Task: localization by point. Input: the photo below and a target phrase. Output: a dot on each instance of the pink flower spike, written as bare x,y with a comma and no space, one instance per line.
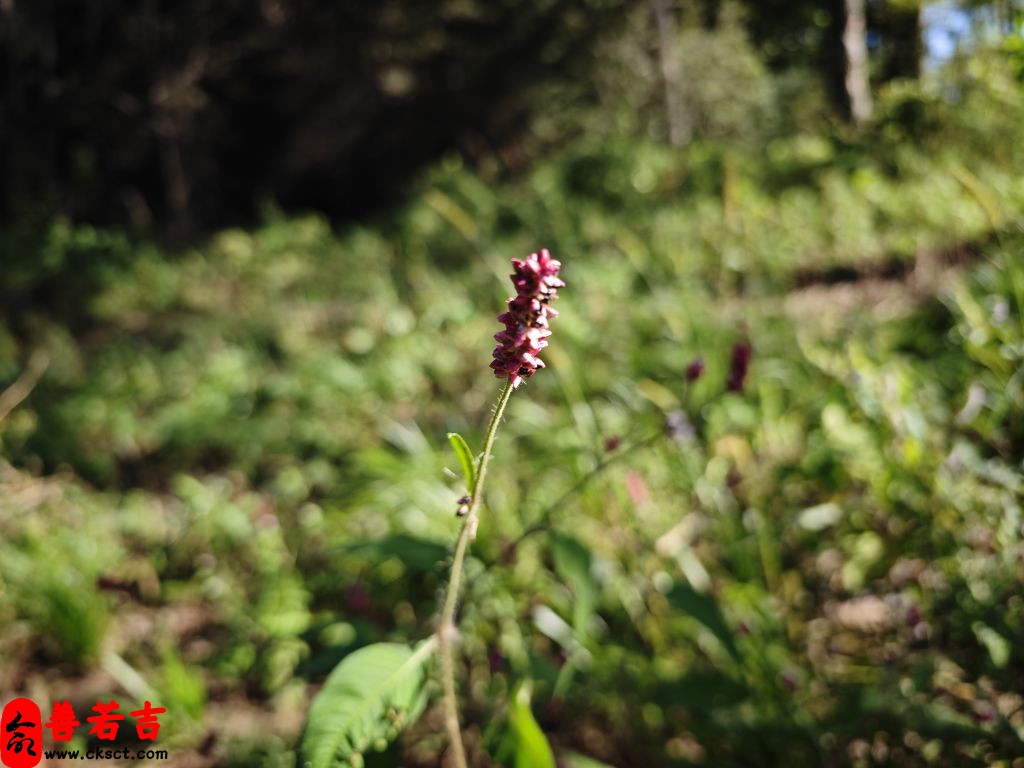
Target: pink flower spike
536,283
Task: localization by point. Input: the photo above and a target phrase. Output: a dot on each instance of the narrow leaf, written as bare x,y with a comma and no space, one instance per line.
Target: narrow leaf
465,458
366,701
530,744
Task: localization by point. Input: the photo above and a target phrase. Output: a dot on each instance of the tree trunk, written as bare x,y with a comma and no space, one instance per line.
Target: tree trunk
855,47
668,61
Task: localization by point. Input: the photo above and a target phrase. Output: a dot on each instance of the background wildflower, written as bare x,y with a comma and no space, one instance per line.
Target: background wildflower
739,364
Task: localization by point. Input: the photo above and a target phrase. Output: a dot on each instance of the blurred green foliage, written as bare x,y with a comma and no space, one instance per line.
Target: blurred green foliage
230,475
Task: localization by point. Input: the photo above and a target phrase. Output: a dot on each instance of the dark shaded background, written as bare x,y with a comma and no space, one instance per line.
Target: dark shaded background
180,117
189,115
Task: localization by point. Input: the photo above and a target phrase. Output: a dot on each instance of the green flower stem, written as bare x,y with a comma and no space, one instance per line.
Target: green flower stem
446,627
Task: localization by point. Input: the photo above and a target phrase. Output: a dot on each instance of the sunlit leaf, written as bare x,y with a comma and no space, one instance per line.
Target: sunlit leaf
997,646
465,458
820,517
365,702
529,743
554,626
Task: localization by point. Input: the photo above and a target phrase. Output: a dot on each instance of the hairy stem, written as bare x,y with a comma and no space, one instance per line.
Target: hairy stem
446,627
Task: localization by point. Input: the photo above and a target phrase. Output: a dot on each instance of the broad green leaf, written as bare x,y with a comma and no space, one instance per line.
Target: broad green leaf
366,701
573,563
465,458
529,742
705,609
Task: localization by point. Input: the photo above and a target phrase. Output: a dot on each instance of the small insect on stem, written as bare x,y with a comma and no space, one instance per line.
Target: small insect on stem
463,509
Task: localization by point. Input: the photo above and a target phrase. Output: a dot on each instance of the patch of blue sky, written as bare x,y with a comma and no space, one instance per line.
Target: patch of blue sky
949,26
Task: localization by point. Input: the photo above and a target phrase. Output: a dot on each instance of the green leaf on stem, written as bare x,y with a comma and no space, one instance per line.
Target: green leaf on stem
465,459
528,742
365,702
